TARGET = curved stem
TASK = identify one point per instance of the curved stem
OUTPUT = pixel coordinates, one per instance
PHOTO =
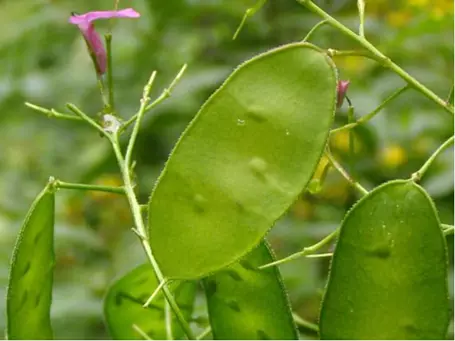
(385, 60)
(314, 29)
(417, 176)
(372, 114)
(304, 323)
(306, 251)
(345, 174)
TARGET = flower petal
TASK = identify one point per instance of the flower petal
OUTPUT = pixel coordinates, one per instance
(77, 19)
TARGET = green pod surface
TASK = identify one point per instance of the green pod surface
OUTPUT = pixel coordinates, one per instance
(29, 293)
(242, 161)
(388, 277)
(123, 306)
(247, 303)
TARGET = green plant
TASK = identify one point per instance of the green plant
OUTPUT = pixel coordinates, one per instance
(249, 152)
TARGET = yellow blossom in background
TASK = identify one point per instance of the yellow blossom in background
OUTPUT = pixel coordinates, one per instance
(393, 156)
(106, 180)
(399, 18)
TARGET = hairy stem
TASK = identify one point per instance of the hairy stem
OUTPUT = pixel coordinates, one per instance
(417, 176)
(140, 228)
(385, 60)
(89, 120)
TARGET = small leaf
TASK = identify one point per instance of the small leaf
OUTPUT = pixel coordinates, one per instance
(243, 160)
(247, 303)
(389, 270)
(29, 293)
(125, 315)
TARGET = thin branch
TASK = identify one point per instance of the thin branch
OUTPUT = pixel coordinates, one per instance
(304, 323)
(372, 114)
(51, 113)
(417, 176)
(110, 72)
(345, 174)
(144, 101)
(314, 29)
(86, 187)
(167, 92)
(353, 53)
(361, 8)
(305, 252)
(87, 119)
(248, 13)
(204, 333)
(447, 229)
(143, 334)
(385, 60)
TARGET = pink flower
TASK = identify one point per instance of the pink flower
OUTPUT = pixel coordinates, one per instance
(92, 38)
(342, 88)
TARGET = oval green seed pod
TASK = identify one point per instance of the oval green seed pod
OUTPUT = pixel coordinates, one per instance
(29, 293)
(127, 319)
(247, 303)
(242, 161)
(389, 270)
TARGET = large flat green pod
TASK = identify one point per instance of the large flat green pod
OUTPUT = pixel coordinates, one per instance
(29, 293)
(123, 306)
(245, 303)
(242, 161)
(388, 277)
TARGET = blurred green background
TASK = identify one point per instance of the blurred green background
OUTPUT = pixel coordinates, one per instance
(43, 60)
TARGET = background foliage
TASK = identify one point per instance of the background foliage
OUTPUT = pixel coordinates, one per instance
(43, 59)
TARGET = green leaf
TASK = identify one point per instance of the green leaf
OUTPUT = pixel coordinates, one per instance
(247, 303)
(123, 306)
(29, 294)
(242, 161)
(389, 269)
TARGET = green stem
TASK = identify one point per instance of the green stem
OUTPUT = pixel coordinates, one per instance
(144, 101)
(306, 251)
(87, 119)
(85, 187)
(248, 13)
(140, 228)
(385, 60)
(417, 176)
(354, 53)
(164, 95)
(372, 114)
(449, 99)
(447, 229)
(168, 321)
(110, 82)
(345, 174)
(142, 333)
(361, 8)
(314, 29)
(299, 321)
(351, 119)
(51, 113)
(321, 255)
(204, 333)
